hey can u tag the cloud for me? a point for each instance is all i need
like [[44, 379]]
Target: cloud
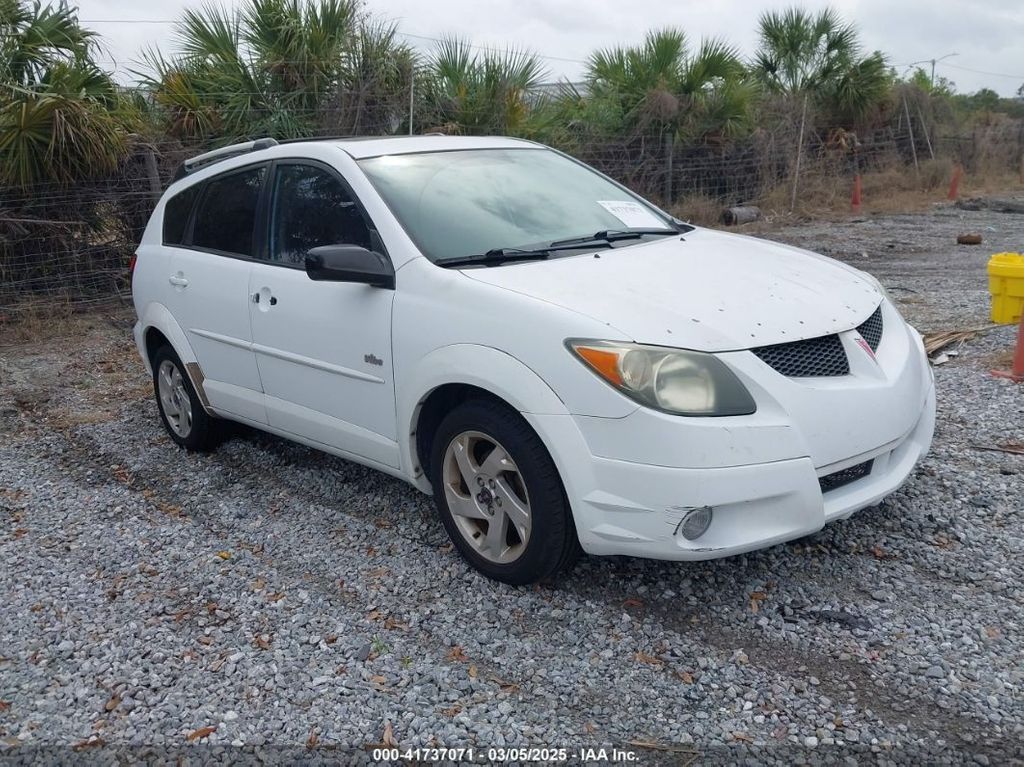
[[985, 34]]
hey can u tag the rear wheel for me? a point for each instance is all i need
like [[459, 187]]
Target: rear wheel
[[499, 494], [181, 412]]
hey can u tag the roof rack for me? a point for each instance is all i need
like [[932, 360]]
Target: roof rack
[[224, 153], [217, 155], [368, 137]]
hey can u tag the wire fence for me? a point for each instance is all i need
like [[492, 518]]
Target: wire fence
[[70, 246]]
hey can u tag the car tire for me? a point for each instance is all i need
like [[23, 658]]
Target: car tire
[[499, 494], [181, 412]]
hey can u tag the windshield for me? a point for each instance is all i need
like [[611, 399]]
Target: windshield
[[462, 203]]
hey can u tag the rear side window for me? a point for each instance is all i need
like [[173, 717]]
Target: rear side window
[[176, 213], [226, 216]]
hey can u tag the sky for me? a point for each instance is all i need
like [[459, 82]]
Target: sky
[[985, 35]]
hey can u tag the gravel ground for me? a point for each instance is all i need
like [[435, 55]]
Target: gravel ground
[[270, 596]]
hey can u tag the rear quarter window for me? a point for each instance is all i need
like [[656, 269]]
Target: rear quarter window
[[176, 213]]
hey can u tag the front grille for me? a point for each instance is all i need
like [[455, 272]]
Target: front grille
[[871, 329], [822, 356], [843, 477]]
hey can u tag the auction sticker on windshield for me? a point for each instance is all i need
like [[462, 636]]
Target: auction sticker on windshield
[[630, 213]]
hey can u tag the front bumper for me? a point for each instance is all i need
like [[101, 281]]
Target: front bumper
[[632, 480], [637, 509]]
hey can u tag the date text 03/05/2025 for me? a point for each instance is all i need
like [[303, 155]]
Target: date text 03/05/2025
[[504, 754]]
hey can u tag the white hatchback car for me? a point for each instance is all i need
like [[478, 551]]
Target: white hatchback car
[[562, 364]]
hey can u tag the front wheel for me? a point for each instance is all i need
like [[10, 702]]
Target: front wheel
[[499, 494]]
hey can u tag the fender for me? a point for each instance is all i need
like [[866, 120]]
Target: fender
[[159, 317], [485, 367]]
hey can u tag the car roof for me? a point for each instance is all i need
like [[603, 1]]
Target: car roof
[[361, 148]]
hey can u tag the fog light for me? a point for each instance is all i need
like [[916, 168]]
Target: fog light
[[696, 523]]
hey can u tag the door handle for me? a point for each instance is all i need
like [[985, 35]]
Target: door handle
[[178, 281], [256, 299]]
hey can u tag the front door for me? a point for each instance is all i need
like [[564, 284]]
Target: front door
[[323, 348], [209, 298]]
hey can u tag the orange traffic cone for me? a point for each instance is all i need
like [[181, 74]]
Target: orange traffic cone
[[1016, 373], [855, 198], [954, 185]]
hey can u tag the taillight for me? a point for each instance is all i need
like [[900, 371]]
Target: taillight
[[131, 265]]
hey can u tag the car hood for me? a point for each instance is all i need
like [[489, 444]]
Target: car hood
[[705, 290]]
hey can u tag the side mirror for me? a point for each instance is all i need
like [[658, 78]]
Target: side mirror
[[350, 263]]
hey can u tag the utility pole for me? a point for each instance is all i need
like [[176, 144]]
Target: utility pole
[[933, 62]]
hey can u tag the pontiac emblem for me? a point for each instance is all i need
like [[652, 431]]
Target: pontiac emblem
[[866, 347]]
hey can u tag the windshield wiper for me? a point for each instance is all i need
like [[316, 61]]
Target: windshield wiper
[[496, 256], [614, 235], [602, 239]]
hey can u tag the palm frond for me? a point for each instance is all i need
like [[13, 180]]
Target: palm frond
[[61, 117], [818, 54], [210, 33]]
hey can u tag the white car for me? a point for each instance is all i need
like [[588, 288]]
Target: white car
[[559, 362]]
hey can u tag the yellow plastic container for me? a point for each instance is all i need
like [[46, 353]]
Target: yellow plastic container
[[1006, 284]]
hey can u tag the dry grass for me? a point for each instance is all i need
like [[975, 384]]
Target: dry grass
[[38, 319], [992, 183], [893, 190], [699, 209], [77, 371], [823, 194], [707, 211]]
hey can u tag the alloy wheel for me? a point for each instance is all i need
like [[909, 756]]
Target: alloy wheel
[[487, 497], [174, 399]]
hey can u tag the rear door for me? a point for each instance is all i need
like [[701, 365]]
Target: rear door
[[209, 275], [323, 348]]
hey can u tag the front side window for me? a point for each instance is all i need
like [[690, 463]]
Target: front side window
[[226, 217], [463, 203], [311, 207]]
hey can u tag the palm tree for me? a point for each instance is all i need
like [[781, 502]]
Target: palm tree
[[820, 56], [60, 114], [381, 70], [285, 68], [484, 93], [665, 87]]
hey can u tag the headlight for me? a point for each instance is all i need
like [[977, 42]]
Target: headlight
[[671, 380]]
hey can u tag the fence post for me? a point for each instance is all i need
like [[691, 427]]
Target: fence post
[[156, 187], [1020, 150], [669, 152], [924, 127], [913, 146], [799, 154]]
